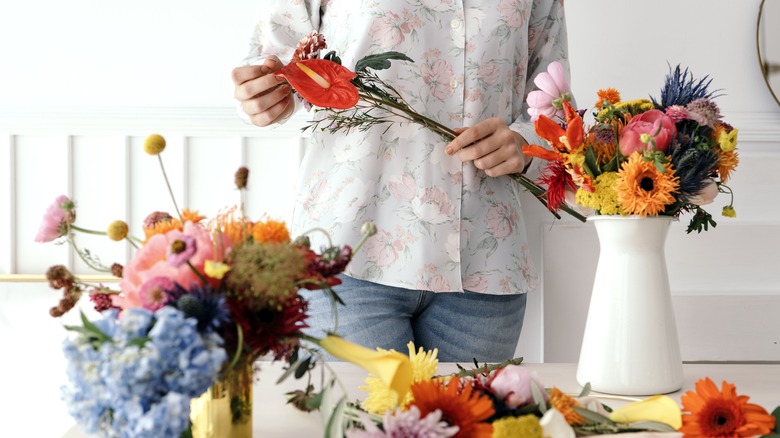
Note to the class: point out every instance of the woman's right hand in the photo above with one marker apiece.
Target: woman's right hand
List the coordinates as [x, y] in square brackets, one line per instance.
[264, 97]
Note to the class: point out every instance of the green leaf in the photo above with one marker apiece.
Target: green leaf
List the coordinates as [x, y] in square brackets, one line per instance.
[591, 163]
[536, 393]
[139, 342]
[380, 61]
[292, 368]
[585, 390]
[303, 368]
[315, 401]
[592, 417]
[652, 425]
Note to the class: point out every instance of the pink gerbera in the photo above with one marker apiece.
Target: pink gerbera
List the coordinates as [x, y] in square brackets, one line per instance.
[59, 216]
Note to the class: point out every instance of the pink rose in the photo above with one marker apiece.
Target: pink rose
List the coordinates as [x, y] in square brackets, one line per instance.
[647, 123]
[512, 384]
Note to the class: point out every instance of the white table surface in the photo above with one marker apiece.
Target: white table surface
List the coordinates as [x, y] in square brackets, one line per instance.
[273, 418]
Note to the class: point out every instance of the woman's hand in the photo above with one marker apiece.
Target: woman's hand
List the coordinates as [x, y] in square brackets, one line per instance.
[264, 97]
[491, 146]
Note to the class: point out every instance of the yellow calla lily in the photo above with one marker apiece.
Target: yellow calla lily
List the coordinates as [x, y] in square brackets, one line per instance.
[392, 368]
[658, 408]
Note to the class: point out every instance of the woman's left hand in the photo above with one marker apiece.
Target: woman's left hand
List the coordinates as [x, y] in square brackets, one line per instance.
[491, 146]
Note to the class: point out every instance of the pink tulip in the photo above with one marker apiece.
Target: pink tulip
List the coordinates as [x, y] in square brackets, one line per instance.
[60, 214]
[645, 129]
[553, 89]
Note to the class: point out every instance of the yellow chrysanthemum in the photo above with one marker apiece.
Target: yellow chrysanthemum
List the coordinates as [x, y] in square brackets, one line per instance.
[154, 144]
[642, 189]
[610, 95]
[564, 404]
[380, 398]
[117, 230]
[632, 107]
[727, 162]
[604, 198]
[270, 231]
[526, 426]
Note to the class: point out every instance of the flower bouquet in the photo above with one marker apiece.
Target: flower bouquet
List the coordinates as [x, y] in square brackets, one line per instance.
[507, 400]
[196, 305]
[646, 157]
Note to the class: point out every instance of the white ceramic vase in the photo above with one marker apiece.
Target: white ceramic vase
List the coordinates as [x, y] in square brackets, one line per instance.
[630, 344]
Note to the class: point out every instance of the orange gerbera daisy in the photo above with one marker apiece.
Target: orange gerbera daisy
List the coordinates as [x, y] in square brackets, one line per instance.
[564, 403]
[714, 413]
[610, 95]
[727, 162]
[460, 407]
[642, 189]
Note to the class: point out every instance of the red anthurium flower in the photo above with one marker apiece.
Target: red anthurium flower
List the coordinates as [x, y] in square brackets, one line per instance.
[322, 83]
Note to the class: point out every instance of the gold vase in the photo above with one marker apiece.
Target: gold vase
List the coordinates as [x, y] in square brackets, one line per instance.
[225, 409]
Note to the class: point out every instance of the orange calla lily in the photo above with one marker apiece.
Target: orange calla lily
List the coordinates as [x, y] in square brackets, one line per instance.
[322, 83]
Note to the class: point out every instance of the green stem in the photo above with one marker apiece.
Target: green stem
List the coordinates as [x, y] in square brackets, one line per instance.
[440, 129]
[323, 231]
[239, 346]
[198, 273]
[84, 230]
[170, 190]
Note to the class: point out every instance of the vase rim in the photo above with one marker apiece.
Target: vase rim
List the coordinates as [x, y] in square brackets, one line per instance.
[629, 217]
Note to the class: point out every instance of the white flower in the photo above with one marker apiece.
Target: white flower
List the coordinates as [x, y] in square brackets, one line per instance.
[554, 425]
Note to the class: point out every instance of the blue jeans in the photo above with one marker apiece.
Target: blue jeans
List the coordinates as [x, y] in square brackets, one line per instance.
[463, 326]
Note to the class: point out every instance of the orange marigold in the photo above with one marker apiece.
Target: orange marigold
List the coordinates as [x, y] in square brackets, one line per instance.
[271, 231]
[193, 216]
[722, 413]
[161, 227]
[459, 404]
[610, 95]
[564, 403]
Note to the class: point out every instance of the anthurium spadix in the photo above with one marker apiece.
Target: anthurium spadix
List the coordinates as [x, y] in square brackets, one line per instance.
[322, 83]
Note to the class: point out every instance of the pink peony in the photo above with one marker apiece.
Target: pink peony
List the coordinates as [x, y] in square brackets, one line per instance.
[151, 261]
[655, 124]
[58, 217]
[553, 89]
[512, 385]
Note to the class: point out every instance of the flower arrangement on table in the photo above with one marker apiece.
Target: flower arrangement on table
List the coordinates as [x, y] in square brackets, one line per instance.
[506, 401]
[196, 305]
[646, 157]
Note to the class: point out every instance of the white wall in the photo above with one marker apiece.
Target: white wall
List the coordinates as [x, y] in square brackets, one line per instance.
[90, 78]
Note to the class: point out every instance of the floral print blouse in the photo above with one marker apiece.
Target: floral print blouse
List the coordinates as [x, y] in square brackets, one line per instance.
[443, 225]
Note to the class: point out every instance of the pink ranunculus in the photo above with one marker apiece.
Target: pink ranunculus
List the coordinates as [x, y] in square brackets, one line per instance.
[59, 215]
[706, 195]
[151, 261]
[512, 384]
[553, 89]
[655, 124]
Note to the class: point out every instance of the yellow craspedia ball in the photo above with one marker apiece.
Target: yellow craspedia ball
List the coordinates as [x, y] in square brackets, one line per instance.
[154, 144]
[117, 230]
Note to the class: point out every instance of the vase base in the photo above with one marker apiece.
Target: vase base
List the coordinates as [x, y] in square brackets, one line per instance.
[634, 385]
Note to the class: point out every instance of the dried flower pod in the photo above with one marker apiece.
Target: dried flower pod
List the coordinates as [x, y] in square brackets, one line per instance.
[242, 176]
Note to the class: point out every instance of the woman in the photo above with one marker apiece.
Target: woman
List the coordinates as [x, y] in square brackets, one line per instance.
[449, 267]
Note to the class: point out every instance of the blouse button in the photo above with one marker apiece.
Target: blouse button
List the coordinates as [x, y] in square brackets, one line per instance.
[455, 24]
[454, 83]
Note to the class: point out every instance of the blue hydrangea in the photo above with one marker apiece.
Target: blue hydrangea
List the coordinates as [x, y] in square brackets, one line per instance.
[138, 379]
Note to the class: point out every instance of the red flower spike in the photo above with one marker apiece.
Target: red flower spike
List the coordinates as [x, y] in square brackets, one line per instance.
[322, 83]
